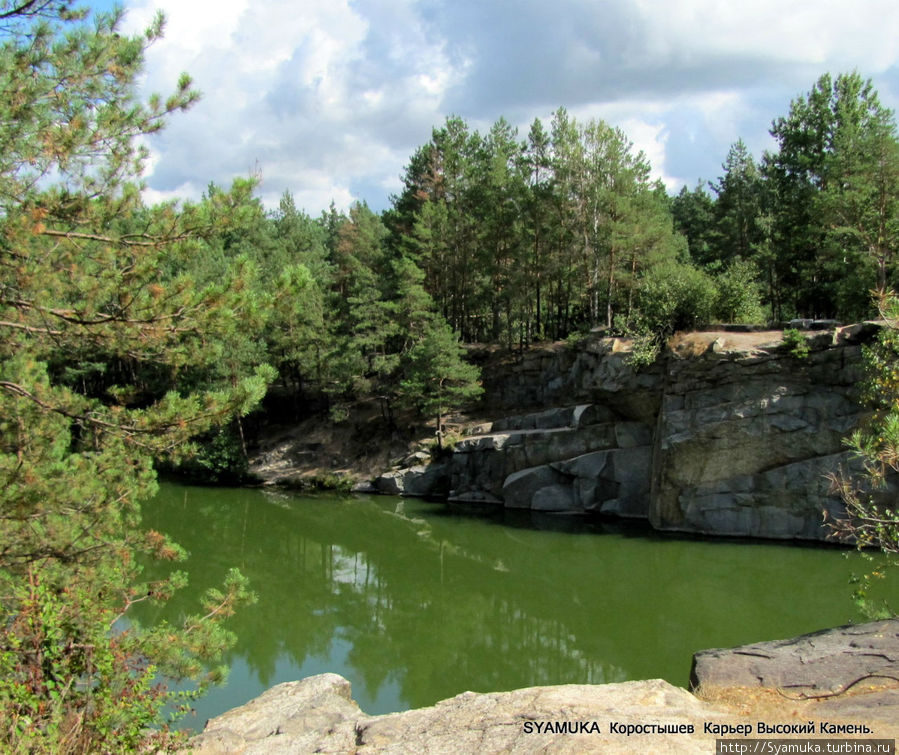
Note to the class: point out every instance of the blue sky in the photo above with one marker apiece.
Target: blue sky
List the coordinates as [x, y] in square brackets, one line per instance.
[329, 98]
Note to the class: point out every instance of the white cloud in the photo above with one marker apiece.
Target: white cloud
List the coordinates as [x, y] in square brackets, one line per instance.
[817, 32]
[651, 139]
[307, 94]
[329, 98]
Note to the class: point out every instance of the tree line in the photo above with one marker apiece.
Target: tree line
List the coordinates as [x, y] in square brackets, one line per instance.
[508, 240]
[818, 216]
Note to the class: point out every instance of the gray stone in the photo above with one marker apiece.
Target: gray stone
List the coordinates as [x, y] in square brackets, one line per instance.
[557, 498]
[318, 715]
[391, 483]
[420, 480]
[829, 661]
[418, 457]
[313, 715]
[738, 439]
[520, 487]
[630, 434]
[282, 717]
[592, 414]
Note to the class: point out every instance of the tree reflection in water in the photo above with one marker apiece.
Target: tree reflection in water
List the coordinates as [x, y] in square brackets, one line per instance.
[414, 603]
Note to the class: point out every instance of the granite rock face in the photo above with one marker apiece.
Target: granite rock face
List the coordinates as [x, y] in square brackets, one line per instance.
[813, 665]
[745, 441]
[316, 715]
[726, 434]
[812, 673]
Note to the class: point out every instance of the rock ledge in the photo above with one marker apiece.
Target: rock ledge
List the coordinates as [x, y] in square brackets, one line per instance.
[747, 684]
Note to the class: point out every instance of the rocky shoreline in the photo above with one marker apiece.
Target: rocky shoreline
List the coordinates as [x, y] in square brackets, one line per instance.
[836, 684]
[726, 434]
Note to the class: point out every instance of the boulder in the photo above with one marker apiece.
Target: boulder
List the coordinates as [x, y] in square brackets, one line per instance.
[520, 488]
[811, 666]
[292, 715]
[420, 480]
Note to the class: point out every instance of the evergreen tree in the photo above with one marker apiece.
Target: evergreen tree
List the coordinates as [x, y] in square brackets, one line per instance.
[81, 260]
[834, 147]
[536, 165]
[738, 207]
[860, 202]
[436, 378]
[693, 212]
[299, 335]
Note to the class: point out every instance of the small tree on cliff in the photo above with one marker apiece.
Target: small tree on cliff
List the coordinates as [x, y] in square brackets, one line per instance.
[871, 520]
[436, 377]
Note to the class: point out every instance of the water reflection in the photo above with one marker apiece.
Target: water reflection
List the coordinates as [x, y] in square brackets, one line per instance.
[414, 603]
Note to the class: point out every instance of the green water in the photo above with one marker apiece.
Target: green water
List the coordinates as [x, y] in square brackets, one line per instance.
[414, 603]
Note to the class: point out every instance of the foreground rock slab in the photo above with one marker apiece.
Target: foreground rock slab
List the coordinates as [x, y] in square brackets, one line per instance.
[317, 715]
[814, 664]
[850, 673]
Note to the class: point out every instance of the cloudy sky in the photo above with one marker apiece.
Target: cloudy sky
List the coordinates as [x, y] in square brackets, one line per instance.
[328, 98]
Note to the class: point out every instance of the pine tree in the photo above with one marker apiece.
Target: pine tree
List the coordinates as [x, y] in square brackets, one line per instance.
[96, 293]
[437, 379]
[833, 186]
[738, 207]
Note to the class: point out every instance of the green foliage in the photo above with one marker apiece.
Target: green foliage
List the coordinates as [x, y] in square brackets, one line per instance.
[124, 331]
[436, 378]
[674, 296]
[575, 338]
[220, 457]
[738, 299]
[644, 349]
[872, 520]
[693, 213]
[520, 241]
[795, 342]
[738, 208]
[671, 296]
[331, 482]
[833, 187]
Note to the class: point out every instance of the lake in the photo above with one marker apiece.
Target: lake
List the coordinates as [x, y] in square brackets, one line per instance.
[414, 601]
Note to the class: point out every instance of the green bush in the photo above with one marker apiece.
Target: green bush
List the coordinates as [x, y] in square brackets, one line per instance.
[872, 518]
[796, 343]
[738, 299]
[673, 296]
[219, 458]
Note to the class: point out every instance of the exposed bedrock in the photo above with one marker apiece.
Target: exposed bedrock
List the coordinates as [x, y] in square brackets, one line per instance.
[727, 433]
[841, 681]
[823, 663]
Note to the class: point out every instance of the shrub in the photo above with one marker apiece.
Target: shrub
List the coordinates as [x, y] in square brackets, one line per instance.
[796, 343]
[673, 296]
[738, 299]
[872, 519]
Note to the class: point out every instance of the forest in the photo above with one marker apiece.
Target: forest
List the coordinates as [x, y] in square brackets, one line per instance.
[507, 240]
[128, 330]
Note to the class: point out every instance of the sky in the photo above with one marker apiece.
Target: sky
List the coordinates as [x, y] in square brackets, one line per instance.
[329, 98]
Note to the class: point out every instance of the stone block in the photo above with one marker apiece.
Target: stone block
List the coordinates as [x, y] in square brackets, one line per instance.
[556, 498]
